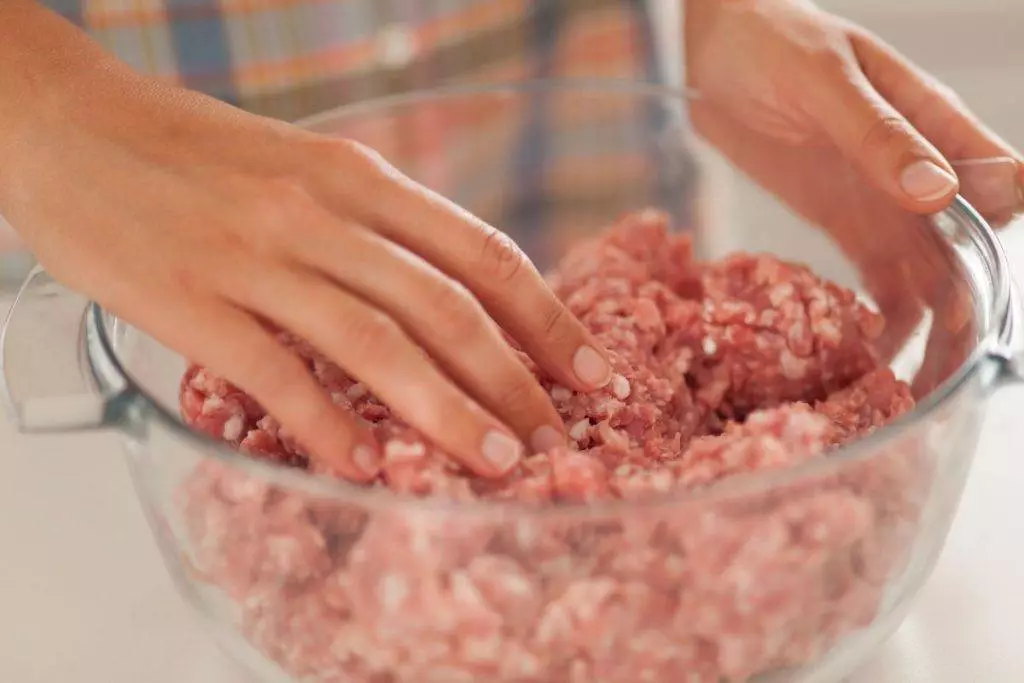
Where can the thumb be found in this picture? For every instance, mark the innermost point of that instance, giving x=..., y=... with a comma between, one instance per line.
x=891, y=153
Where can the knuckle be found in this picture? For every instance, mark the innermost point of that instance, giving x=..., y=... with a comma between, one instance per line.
x=828, y=45
x=284, y=381
x=516, y=392
x=329, y=148
x=372, y=334
x=189, y=280
x=457, y=312
x=884, y=133
x=367, y=170
x=434, y=405
x=463, y=409
x=553, y=318
x=276, y=197
x=351, y=155
x=502, y=258
x=833, y=62
x=274, y=210
x=313, y=413
x=435, y=414
x=351, y=149
x=941, y=92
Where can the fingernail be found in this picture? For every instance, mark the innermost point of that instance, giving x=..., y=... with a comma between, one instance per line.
x=502, y=451
x=591, y=367
x=546, y=439
x=925, y=181
x=366, y=460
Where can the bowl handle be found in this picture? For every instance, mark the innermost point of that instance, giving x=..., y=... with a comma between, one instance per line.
x=45, y=387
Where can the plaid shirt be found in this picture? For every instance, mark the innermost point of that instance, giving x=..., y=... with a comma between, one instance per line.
x=292, y=58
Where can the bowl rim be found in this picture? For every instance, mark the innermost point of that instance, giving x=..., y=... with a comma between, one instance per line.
x=108, y=368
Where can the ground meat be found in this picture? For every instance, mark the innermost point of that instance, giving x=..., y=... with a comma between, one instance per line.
x=723, y=369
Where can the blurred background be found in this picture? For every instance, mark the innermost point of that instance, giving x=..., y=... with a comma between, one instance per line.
x=974, y=47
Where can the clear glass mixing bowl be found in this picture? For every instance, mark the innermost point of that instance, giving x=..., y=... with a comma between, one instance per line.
x=789, y=576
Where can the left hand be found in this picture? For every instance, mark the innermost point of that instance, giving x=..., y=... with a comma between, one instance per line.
x=790, y=71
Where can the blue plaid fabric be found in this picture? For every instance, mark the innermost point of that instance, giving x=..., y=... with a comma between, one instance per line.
x=292, y=58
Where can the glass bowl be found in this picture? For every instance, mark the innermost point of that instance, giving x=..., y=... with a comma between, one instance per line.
x=789, y=576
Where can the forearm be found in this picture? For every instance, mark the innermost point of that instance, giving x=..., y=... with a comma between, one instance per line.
x=45, y=63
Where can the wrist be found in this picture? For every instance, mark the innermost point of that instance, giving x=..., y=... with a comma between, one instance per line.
x=46, y=67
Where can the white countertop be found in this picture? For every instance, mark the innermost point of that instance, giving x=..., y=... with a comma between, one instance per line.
x=84, y=596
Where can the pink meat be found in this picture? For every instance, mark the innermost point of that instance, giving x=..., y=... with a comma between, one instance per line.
x=723, y=369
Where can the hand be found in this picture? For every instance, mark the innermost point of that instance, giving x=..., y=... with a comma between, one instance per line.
x=791, y=72
x=8, y=238
x=841, y=128
x=205, y=226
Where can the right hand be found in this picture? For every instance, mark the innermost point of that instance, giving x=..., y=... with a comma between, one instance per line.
x=823, y=114
x=199, y=224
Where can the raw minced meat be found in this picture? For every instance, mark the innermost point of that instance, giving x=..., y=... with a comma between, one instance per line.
x=724, y=368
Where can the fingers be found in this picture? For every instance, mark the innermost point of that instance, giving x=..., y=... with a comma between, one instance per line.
x=891, y=153
x=994, y=186
x=444, y=318
x=989, y=168
x=934, y=109
x=233, y=344
x=485, y=260
x=373, y=347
